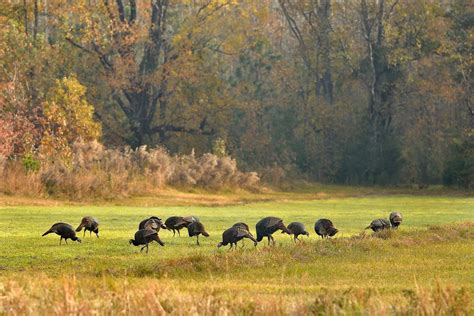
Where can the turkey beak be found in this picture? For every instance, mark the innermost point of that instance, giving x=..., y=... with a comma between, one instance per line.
x=219, y=245
x=164, y=226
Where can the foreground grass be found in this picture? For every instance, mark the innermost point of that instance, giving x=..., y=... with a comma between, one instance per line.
x=414, y=270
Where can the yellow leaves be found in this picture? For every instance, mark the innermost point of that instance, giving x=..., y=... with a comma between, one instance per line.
x=69, y=117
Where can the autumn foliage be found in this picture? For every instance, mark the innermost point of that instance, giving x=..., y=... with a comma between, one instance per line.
x=357, y=92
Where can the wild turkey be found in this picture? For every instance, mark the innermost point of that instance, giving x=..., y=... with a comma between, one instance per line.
x=186, y=220
x=233, y=235
x=396, y=219
x=196, y=229
x=153, y=222
x=325, y=228
x=267, y=226
x=379, y=224
x=297, y=229
x=176, y=223
x=90, y=224
x=65, y=231
x=242, y=225
x=144, y=237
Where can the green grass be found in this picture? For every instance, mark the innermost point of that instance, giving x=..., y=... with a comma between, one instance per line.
x=414, y=256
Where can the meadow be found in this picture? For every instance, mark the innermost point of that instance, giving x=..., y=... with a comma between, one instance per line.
x=426, y=267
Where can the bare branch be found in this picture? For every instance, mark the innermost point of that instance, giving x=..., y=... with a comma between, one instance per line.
x=296, y=32
x=102, y=57
x=203, y=7
x=87, y=50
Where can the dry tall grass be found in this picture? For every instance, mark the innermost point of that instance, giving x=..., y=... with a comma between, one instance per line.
x=73, y=296
x=95, y=171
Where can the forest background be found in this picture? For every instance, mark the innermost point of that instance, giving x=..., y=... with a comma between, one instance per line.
x=123, y=97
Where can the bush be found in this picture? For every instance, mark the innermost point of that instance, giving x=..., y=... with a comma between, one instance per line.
x=94, y=171
x=30, y=163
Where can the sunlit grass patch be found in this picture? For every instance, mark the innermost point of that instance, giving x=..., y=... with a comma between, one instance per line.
x=425, y=265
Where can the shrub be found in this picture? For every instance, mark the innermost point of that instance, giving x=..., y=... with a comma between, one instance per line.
x=30, y=163
x=95, y=171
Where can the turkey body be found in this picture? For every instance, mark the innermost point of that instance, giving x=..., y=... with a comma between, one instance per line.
x=396, y=219
x=144, y=237
x=89, y=223
x=297, y=229
x=64, y=230
x=267, y=226
x=233, y=235
x=175, y=224
x=325, y=228
x=196, y=229
x=379, y=224
x=153, y=222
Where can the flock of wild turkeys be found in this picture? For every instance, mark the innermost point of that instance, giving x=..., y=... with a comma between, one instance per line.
x=149, y=228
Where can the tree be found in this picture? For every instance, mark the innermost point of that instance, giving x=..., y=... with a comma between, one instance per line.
x=145, y=50
x=69, y=118
x=310, y=22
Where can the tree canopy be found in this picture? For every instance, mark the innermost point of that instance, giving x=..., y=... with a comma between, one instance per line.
x=373, y=92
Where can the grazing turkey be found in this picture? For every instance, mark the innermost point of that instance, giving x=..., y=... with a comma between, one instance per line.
x=144, y=237
x=325, y=228
x=233, y=235
x=186, y=220
x=196, y=229
x=190, y=219
x=297, y=229
x=65, y=231
x=379, y=224
x=90, y=224
x=267, y=226
x=153, y=222
x=396, y=219
x=242, y=225
x=176, y=223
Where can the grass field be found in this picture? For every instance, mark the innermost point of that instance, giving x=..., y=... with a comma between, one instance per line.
x=418, y=269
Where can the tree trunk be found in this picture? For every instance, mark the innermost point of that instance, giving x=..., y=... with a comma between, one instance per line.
x=324, y=18
x=379, y=111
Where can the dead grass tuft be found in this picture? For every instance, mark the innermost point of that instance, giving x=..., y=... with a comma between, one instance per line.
x=157, y=297
x=95, y=171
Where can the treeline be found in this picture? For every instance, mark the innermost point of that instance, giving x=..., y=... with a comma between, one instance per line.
x=355, y=92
